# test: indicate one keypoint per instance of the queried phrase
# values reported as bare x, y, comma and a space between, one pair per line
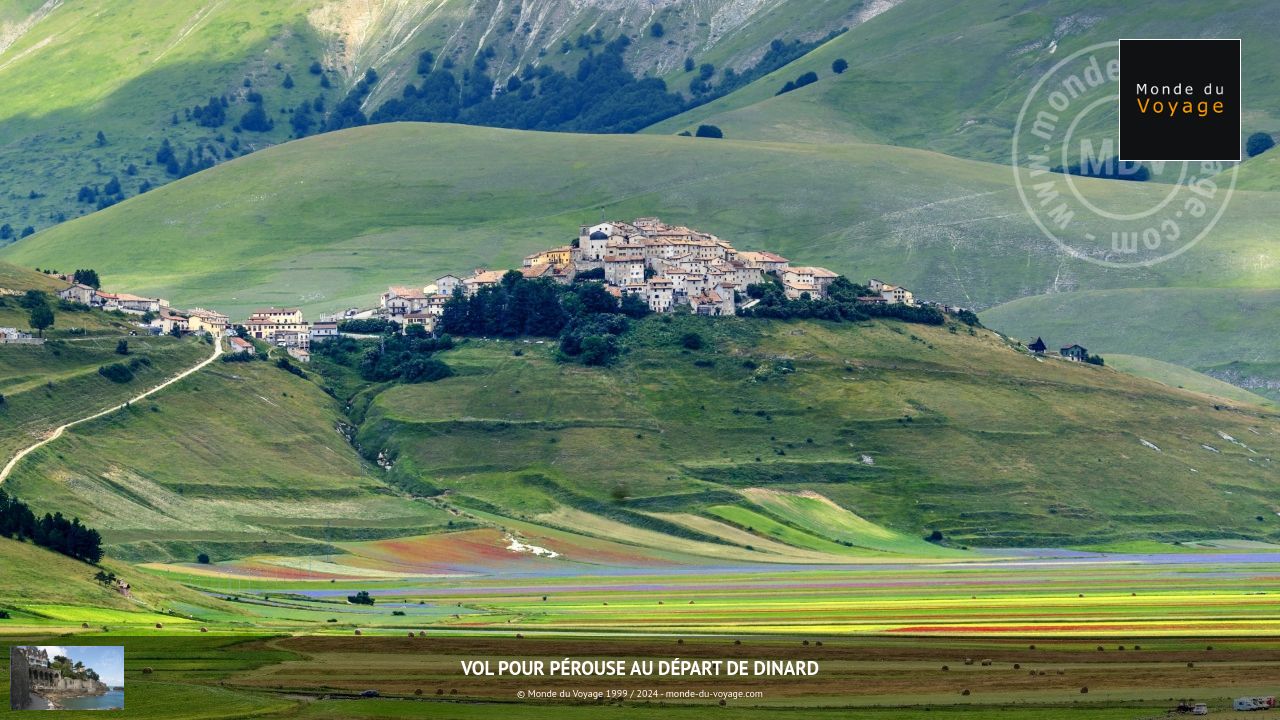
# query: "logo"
1095, 206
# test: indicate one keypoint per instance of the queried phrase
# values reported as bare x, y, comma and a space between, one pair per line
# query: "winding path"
57, 432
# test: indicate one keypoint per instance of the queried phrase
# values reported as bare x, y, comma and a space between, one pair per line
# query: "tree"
41, 318
691, 341
657, 30
87, 277
288, 82
203, 558
709, 131
688, 64
6, 232
360, 598
28, 231
122, 347
1258, 143
839, 66
315, 68
102, 139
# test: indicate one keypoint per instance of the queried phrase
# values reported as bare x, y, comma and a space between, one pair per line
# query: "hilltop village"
670, 268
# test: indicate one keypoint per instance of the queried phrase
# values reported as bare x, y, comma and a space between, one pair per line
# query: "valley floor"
1009, 633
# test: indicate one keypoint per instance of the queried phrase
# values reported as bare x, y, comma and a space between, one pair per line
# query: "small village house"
240, 345
1075, 352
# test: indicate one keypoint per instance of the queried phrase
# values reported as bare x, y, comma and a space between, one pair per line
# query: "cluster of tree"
584, 316
1111, 169
840, 305
196, 160
106, 577
601, 96
366, 326
255, 119
779, 53
347, 113
808, 78
123, 372
54, 532
40, 312
211, 115
87, 277
73, 670
1259, 143
1094, 360
7, 232
360, 598
406, 358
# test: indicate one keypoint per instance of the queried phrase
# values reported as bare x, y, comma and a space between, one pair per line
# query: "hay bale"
818, 643
679, 641
411, 633
1031, 647
439, 691
1101, 649
737, 642
84, 625
1120, 647
986, 663
1191, 664
418, 691
204, 629
968, 661
1084, 690
1209, 647
147, 671
1017, 666
1031, 672
965, 691
358, 632
159, 626
453, 691
805, 643
422, 633
519, 636
945, 668
1137, 647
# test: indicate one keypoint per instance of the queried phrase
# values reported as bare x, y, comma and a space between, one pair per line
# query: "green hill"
238, 458
135, 71
952, 77
46, 385
798, 441
329, 221
1178, 376
1198, 328
910, 427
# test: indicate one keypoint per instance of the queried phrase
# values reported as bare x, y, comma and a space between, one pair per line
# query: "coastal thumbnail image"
52, 677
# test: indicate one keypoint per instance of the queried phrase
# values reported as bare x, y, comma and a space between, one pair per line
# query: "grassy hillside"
951, 77
39, 587
329, 221
1180, 377
1195, 328
240, 457
44, 386
910, 427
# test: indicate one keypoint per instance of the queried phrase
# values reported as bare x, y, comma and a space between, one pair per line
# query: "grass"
240, 457
1178, 376
908, 427
1230, 324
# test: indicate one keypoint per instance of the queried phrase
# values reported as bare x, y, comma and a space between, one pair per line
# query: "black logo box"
1185, 64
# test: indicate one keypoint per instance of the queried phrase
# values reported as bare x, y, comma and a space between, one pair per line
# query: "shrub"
691, 341
202, 558
839, 66
122, 347
709, 131
116, 372
1258, 143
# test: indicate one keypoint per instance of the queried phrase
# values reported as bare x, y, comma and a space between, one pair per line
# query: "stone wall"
19, 681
